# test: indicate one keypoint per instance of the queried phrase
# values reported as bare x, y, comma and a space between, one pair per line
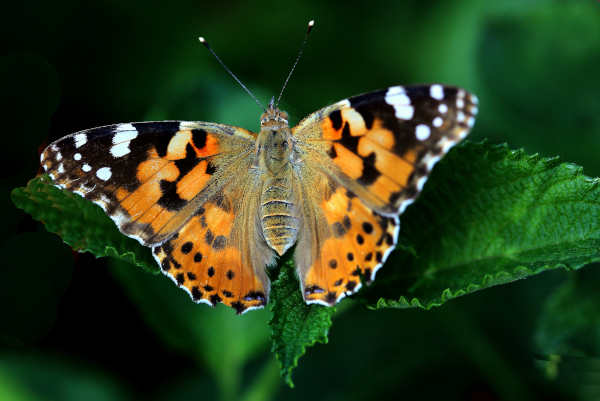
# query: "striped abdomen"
279, 219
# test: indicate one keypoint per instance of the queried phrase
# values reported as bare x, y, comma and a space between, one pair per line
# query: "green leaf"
80, 223
488, 216
295, 325
570, 322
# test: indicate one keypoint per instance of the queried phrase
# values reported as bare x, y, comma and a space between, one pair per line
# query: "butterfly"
216, 202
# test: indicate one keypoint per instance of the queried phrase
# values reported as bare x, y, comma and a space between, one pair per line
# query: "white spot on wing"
474, 110
405, 204
58, 156
447, 146
396, 97
432, 162
120, 150
460, 103
77, 156
61, 168
104, 173
421, 183
470, 122
422, 132
125, 132
438, 121
80, 140
436, 92
404, 112
442, 108
187, 125
86, 168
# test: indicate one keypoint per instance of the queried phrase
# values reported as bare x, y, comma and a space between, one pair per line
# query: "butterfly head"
274, 119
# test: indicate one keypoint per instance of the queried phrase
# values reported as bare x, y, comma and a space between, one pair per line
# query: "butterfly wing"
167, 184
375, 152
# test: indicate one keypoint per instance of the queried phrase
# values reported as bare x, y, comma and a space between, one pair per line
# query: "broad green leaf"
294, 325
570, 322
80, 223
489, 215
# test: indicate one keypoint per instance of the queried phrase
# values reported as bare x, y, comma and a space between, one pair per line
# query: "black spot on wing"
239, 307
338, 229
348, 141
170, 200
209, 238
186, 164
346, 222
222, 202
219, 243
187, 247
162, 128
210, 169
370, 173
336, 119
313, 289
214, 299
199, 138
331, 297
256, 296
332, 152
196, 293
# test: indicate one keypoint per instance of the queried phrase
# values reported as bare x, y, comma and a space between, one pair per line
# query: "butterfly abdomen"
279, 219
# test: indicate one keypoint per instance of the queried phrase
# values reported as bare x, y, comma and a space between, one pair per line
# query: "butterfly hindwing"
214, 255
342, 239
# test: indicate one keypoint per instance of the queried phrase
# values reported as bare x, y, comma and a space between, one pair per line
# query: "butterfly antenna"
310, 25
203, 41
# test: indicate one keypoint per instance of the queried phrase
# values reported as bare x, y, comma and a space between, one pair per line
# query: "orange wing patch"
356, 242
367, 154
202, 259
166, 183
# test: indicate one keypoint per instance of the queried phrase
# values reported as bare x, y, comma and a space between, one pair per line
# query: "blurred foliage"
532, 64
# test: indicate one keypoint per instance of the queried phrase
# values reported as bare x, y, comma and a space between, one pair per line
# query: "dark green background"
534, 65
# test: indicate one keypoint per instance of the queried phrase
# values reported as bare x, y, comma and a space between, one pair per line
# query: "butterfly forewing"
144, 174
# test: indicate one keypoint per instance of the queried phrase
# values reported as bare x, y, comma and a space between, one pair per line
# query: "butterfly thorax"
279, 218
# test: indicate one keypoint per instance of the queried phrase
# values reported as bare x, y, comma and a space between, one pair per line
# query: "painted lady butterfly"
213, 200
